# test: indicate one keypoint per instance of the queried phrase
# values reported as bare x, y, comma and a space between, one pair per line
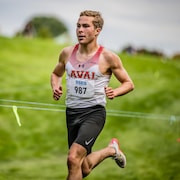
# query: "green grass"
37, 150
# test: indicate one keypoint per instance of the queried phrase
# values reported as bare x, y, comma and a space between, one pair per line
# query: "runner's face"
85, 30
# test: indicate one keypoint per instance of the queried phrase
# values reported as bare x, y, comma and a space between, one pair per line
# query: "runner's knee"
73, 161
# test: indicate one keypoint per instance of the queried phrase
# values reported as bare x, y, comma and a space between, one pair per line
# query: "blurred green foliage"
37, 150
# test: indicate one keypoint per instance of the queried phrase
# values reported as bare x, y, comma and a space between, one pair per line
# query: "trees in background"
131, 50
43, 27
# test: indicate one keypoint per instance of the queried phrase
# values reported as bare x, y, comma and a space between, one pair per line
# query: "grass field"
146, 121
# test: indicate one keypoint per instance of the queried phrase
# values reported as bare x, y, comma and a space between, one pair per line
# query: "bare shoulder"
65, 54
63, 58
111, 58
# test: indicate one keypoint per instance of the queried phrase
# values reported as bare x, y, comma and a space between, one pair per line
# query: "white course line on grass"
110, 112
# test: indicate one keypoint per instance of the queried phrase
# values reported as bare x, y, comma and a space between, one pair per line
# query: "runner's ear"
98, 30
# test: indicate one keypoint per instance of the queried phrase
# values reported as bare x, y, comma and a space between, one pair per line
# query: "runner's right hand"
57, 93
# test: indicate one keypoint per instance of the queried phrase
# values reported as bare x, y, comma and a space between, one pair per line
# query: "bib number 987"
80, 90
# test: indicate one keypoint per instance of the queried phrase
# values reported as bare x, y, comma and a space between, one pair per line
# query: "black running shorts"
84, 125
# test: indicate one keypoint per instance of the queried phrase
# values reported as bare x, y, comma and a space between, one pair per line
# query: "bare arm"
126, 84
57, 74
56, 82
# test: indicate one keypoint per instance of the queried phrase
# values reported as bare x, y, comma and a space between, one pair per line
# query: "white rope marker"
16, 115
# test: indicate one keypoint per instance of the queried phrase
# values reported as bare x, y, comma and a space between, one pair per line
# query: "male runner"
88, 68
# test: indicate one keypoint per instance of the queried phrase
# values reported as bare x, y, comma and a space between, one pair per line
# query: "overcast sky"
153, 24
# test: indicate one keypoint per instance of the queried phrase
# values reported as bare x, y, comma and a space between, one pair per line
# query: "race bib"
81, 87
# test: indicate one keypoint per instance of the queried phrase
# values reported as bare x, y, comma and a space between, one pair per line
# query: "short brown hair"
98, 21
